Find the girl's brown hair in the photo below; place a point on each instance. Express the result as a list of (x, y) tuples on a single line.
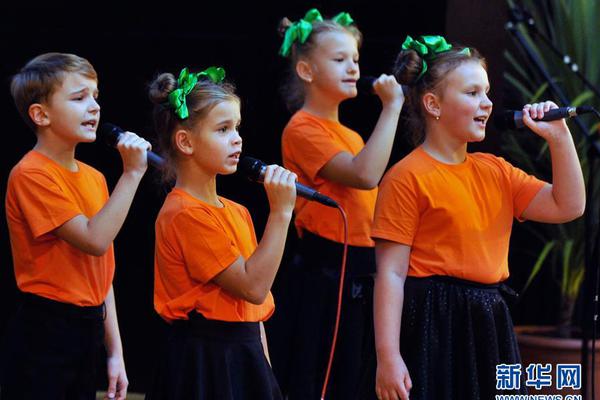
[(292, 89), (200, 101), (407, 68)]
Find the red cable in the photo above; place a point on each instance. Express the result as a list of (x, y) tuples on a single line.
[(339, 305)]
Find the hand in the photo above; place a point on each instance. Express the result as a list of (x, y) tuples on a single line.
[(388, 90), (280, 185), (133, 151), (392, 380), (117, 379), (549, 130)]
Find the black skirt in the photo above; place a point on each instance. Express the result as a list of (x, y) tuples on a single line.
[(207, 359), (453, 335), (301, 330)]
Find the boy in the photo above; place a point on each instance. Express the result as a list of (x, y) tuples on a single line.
[(62, 224)]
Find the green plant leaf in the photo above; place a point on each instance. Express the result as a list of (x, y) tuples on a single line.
[(539, 92), (572, 27), (519, 154), (566, 257), (516, 65), (526, 93), (576, 282), (539, 262), (542, 151), (582, 98)]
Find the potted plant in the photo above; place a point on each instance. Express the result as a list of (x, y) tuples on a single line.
[(572, 26)]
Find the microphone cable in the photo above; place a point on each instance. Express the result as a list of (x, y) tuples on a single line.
[(339, 303)]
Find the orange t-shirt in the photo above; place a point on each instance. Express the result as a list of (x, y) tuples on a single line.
[(196, 241), (308, 143), (41, 196), (457, 219)]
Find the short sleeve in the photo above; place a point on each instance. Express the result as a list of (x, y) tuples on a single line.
[(397, 210), (312, 147), (206, 247), (524, 187), (250, 223), (42, 201)]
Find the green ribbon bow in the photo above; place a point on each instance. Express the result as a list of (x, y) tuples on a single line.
[(428, 47), (299, 31), (185, 84), (343, 18)]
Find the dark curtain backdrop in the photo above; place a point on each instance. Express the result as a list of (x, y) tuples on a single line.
[(129, 44)]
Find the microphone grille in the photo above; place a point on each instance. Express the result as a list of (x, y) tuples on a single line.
[(504, 120), (364, 85), (108, 133), (251, 167)]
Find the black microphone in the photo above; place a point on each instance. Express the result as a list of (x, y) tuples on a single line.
[(255, 171), (514, 119), (364, 85), (110, 134)]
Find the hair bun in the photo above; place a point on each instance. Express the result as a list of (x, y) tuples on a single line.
[(407, 67), (284, 24), (160, 88)]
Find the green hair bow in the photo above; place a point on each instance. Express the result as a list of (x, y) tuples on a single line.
[(428, 47), (343, 19), (185, 84), (301, 30)]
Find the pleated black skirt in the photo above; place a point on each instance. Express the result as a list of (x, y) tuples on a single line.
[(453, 335), (207, 360)]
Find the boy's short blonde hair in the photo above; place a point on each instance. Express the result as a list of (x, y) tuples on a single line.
[(38, 79)]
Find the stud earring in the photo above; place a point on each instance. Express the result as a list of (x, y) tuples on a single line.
[(437, 117)]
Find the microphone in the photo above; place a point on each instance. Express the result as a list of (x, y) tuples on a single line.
[(514, 119), (364, 85), (110, 133), (255, 171)]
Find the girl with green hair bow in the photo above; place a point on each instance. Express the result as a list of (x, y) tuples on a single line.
[(212, 277), (442, 227), (323, 66)]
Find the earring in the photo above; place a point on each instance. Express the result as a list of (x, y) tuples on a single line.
[(437, 117)]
